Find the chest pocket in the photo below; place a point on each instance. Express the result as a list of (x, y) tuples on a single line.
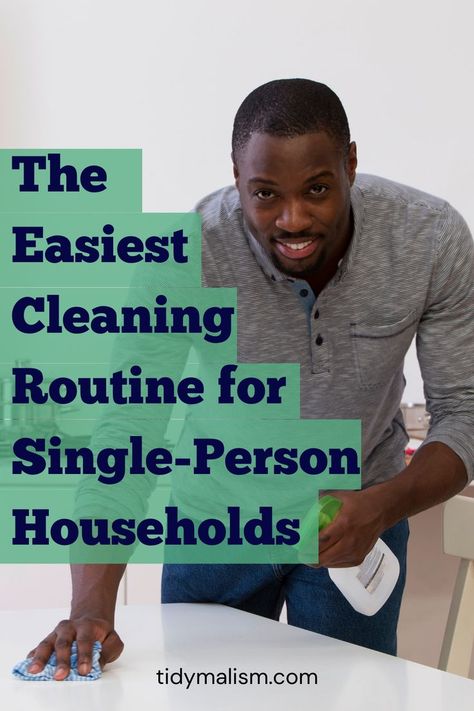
[(379, 350)]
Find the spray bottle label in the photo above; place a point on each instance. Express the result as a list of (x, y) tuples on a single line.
[(372, 570)]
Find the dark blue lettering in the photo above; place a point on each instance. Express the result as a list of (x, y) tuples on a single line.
[(28, 380), (93, 178), (321, 461), (18, 314), (352, 462), (71, 535), (150, 531), (38, 527), (28, 163), (286, 527), (22, 244), (265, 524), (205, 528), (37, 463), (206, 450)]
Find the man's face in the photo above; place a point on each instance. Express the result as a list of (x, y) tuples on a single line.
[(295, 197)]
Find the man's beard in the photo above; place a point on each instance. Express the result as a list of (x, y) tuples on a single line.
[(298, 273)]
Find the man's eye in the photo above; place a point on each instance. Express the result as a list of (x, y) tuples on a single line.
[(264, 194), (317, 189)]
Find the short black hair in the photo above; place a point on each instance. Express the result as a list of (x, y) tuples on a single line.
[(290, 107)]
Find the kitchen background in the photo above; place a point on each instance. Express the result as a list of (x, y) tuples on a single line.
[(168, 78)]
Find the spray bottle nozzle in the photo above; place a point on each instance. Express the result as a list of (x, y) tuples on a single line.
[(328, 510)]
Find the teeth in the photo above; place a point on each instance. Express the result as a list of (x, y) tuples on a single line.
[(296, 247)]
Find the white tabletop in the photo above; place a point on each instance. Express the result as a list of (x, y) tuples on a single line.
[(213, 638)]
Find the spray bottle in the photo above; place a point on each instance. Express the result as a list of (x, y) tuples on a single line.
[(366, 586)]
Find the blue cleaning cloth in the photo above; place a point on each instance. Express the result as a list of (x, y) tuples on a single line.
[(20, 670)]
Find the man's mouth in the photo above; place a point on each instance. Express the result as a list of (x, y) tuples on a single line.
[(297, 249)]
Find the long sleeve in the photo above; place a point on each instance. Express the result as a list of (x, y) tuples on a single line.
[(445, 341), (157, 355)]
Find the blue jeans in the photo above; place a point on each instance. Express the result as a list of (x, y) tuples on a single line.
[(313, 601)]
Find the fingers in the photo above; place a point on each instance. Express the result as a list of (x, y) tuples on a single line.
[(348, 551), (85, 633), (332, 534), (65, 636), (344, 545), (85, 644), (326, 542), (346, 541), (58, 641), (40, 655), (338, 556)]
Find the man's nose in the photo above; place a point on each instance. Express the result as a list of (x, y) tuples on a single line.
[(293, 217)]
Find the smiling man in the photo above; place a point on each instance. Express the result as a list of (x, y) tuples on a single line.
[(337, 273), (319, 258)]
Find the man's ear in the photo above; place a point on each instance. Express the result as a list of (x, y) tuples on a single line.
[(351, 162), (236, 171)]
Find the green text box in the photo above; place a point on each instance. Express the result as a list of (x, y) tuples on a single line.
[(173, 251), (209, 316), (268, 469), (123, 191)]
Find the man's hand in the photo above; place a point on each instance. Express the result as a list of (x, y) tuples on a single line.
[(85, 631), (94, 592), (434, 475), (346, 541)]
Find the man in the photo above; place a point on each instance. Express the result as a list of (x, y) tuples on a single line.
[(320, 260)]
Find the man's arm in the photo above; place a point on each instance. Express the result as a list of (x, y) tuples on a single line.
[(92, 619), (95, 586), (444, 463)]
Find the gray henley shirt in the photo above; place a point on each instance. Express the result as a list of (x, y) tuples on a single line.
[(407, 273)]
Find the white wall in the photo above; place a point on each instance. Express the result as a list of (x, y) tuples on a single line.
[(169, 76)]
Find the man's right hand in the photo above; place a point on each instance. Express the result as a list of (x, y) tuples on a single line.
[(85, 631)]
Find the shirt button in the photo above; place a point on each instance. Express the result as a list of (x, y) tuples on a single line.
[(303, 292), (316, 314), (319, 340)]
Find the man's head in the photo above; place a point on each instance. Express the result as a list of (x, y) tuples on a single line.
[(294, 165)]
